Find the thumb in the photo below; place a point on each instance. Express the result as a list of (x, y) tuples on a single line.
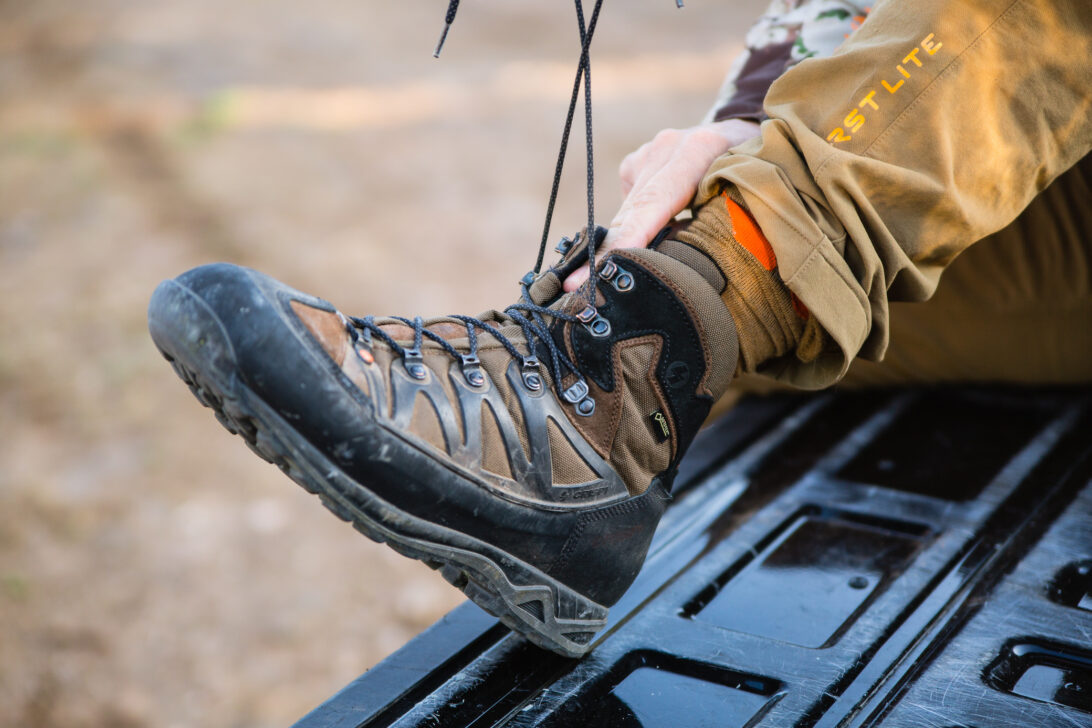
[(643, 214)]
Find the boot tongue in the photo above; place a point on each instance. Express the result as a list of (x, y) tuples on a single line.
[(503, 324), (546, 288)]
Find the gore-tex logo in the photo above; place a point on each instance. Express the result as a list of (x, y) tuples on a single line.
[(660, 428)]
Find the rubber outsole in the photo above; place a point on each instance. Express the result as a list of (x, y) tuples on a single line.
[(533, 607)]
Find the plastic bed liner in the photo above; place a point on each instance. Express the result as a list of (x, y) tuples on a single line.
[(903, 558)]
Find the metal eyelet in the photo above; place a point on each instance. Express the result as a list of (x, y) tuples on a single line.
[(621, 279), (577, 395), (358, 335), (565, 245), (594, 322), (532, 377), (362, 343), (599, 327), (623, 282), (577, 392), (414, 364), (472, 371)]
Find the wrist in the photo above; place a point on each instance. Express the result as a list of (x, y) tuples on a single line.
[(736, 131)]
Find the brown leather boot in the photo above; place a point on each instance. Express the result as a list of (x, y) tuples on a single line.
[(527, 454)]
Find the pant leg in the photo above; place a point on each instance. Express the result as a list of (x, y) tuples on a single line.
[(930, 129), (1015, 308)]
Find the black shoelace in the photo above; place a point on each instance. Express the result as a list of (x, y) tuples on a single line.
[(526, 314)]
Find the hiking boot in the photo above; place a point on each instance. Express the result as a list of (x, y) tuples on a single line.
[(527, 454)]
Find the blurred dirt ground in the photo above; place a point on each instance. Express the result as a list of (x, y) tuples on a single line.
[(152, 571)]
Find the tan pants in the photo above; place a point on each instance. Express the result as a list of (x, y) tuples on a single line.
[(945, 138), (1015, 308)]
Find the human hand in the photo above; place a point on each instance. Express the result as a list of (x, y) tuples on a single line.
[(660, 179)]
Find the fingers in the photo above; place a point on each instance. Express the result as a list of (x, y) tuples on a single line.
[(629, 169), (650, 206), (643, 214), (659, 194), (652, 156), (576, 279), (659, 180)]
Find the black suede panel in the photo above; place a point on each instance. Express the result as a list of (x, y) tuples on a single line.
[(651, 307)]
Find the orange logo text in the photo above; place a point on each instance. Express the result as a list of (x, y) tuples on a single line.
[(856, 118)]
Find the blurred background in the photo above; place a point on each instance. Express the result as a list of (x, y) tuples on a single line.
[(152, 571)]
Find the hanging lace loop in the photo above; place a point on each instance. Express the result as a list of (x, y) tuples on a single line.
[(583, 77), (530, 317), (452, 8)]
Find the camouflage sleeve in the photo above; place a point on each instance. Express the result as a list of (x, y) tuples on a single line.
[(787, 33)]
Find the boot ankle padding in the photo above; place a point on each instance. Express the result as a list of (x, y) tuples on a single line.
[(697, 260)]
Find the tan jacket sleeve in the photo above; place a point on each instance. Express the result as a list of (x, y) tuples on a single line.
[(933, 126)]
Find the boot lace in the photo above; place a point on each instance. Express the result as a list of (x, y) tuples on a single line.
[(530, 317)]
